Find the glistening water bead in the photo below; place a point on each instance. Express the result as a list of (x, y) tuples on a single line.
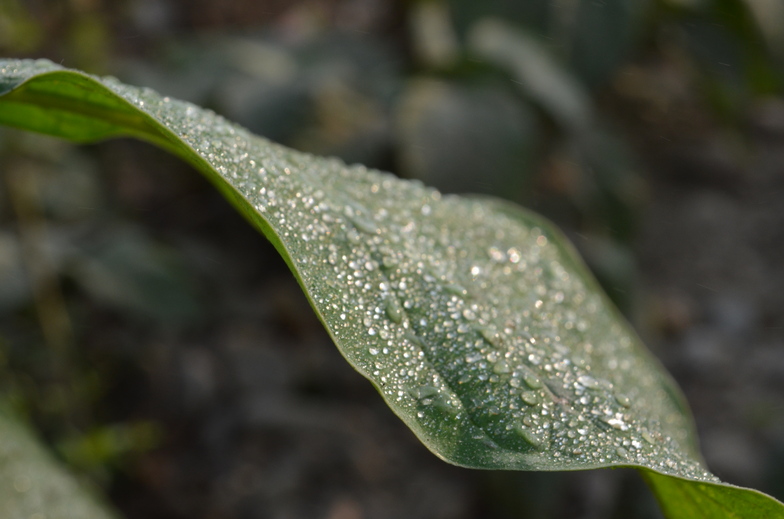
[(487, 331)]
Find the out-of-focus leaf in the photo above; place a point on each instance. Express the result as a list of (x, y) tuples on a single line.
[(433, 36), (603, 35), (325, 94), (125, 269), (473, 318), (536, 15), (33, 484), (19, 31), (13, 277), (448, 132), (769, 16), (727, 41), (535, 70)]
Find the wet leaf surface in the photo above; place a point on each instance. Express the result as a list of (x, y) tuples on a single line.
[(473, 318)]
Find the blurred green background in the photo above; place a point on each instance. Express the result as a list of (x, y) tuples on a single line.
[(163, 350)]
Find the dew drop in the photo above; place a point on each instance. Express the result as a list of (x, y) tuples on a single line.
[(389, 262), (501, 367), (536, 441), (364, 224), (588, 381), (394, 311), (530, 397), (455, 289), (444, 405), (414, 339), (623, 400), (424, 392), (532, 381), (616, 423), (490, 336), (473, 357)]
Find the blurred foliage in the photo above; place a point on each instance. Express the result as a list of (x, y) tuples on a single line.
[(555, 98)]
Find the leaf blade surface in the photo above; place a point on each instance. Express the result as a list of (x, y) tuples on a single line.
[(474, 319)]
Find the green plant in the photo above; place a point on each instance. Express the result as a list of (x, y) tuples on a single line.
[(473, 318)]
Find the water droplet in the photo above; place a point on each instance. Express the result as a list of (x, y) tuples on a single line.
[(623, 400), (473, 357), (454, 288), (414, 339), (394, 311), (424, 392), (616, 423), (532, 381), (501, 367), (491, 336), (537, 441), (364, 224), (530, 397), (443, 404), (389, 262), (588, 381)]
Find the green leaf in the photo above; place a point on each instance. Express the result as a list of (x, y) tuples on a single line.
[(474, 319), (683, 498), (33, 485)]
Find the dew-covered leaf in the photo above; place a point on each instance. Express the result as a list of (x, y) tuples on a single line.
[(474, 318)]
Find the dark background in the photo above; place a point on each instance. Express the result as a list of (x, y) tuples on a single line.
[(165, 352)]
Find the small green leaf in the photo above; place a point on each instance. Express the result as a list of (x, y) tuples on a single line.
[(476, 321)]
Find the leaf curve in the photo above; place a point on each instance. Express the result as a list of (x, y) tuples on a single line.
[(474, 319)]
